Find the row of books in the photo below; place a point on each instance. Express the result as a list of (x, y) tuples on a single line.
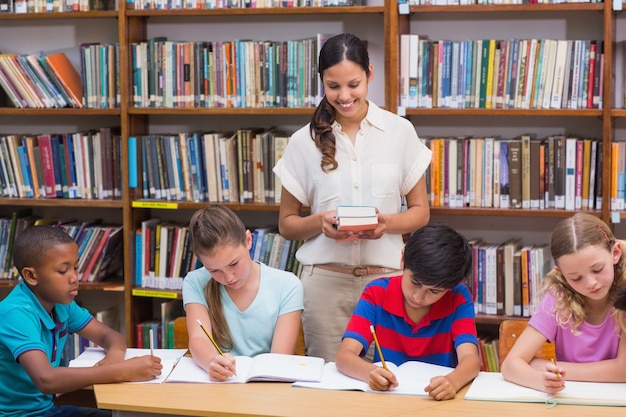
[(100, 74), (99, 244), (54, 6), (555, 172), (85, 165), (239, 73), (506, 277), (488, 350), (163, 256), (51, 80), (40, 80), (234, 4), (272, 249), (163, 335), (490, 73), (212, 166), (76, 344)]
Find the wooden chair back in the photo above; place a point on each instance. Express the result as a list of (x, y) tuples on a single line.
[(181, 337), (510, 330)]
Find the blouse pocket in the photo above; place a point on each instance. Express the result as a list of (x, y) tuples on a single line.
[(327, 187), (385, 180)]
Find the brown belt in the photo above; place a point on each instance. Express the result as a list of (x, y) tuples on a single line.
[(356, 271)]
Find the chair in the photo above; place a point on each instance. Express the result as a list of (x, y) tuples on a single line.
[(181, 337), (510, 330)]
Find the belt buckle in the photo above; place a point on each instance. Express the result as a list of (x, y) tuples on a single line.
[(357, 274)]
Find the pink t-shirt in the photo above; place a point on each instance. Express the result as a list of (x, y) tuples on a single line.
[(592, 343)]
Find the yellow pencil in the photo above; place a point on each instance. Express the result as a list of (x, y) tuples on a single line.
[(210, 338), (557, 371), (380, 352)]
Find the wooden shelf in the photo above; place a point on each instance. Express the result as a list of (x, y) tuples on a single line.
[(65, 202), (105, 14), (495, 212), (513, 8), (339, 10), (221, 111)]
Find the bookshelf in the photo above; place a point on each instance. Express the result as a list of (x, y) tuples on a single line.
[(276, 24), (381, 24)]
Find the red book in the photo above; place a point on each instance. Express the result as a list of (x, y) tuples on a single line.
[(47, 164), (93, 256)]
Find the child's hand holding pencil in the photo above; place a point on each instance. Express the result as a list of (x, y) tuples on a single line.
[(381, 378), (223, 365)]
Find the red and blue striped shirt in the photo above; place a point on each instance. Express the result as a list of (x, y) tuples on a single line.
[(448, 324)]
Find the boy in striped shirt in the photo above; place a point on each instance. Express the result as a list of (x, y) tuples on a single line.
[(424, 315)]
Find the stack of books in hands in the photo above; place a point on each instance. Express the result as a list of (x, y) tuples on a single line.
[(356, 218)]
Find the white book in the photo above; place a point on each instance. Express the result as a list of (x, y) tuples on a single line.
[(405, 55), (454, 74), (169, 358), (276, 367), (414, 65), (491, 386), (488, 172), (496, 172), (559, 74), (412, 377), (570, 173), (549, 67)]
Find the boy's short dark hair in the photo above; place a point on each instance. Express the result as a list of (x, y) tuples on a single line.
[(438, 255), (31, 243)]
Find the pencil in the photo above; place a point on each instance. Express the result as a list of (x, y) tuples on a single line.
[(151, 342), (557, 371), (380, 352), (210, 338)]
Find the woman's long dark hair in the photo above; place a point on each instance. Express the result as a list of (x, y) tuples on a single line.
[(339, 48)]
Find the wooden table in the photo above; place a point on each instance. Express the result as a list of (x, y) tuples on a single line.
[(280, 399)]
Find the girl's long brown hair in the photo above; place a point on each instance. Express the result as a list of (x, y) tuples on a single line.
[(210, 228)]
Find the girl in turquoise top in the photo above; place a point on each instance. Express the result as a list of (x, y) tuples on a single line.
[(247, 307)]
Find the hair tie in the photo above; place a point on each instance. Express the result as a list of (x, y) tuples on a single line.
[(606, 237)]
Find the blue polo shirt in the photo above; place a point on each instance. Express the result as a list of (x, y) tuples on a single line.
[(448, 324), (25, 325)]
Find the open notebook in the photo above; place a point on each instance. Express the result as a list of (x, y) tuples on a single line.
[(264, 367), (169, 358), (412, 377), (491, 386)]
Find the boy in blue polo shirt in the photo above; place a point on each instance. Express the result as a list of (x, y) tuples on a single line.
[(424, 315), (37, 317)]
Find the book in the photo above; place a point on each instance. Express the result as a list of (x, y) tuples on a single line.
[(169, 358), (491, 386), (413, 377), (356, 218), (276, 367), (67, 75)]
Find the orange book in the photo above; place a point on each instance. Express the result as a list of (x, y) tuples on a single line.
[(67, 76)]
